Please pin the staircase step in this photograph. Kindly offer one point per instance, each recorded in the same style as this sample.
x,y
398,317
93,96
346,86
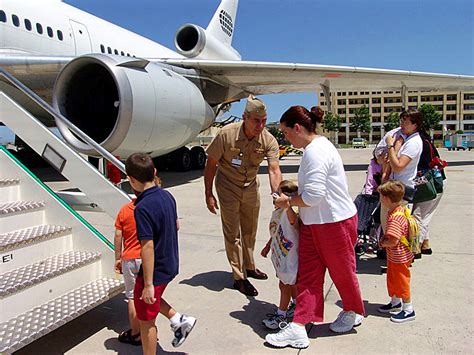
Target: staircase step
x,y
22,237
9,182
22,330
19,279
20,206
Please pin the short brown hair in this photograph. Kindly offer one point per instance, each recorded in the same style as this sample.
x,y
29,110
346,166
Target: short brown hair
x,y
393,189
288,186
415,117
140,167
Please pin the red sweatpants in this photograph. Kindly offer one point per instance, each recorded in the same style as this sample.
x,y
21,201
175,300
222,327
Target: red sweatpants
x,y
328,246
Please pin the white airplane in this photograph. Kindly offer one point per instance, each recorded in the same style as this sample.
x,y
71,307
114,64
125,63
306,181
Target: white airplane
x,y
131,94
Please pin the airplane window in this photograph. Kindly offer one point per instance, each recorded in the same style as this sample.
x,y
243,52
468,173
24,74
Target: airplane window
x,y
27,24
102,48
60,35
109,50
128,54
39,28
16,20
50,31
116,51
3,16
122,53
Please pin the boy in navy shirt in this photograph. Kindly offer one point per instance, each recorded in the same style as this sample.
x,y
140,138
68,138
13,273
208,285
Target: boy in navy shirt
x,y
157,230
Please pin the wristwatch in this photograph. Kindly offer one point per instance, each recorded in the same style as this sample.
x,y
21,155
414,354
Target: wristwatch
x,y
390,146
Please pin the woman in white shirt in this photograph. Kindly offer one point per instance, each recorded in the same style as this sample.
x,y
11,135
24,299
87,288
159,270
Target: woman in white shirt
x,y
404,160
328,232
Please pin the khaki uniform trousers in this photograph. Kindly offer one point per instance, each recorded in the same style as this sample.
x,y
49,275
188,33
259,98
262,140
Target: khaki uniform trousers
x,y
239,208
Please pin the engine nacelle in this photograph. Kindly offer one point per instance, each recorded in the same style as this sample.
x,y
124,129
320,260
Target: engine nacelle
x,y
127,108
193,41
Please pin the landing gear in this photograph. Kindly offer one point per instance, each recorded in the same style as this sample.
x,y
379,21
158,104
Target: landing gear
x,y
198,158
182,159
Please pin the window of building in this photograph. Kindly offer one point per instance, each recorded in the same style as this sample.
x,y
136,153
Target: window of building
x,y
412,99
50,31
3,16
60,35
376,119
102,48
343,93
450,117
341,102
39,28
451,127
376,100
375,109
16,20
351,110
28,24
323,103
392,100
341,111
469,116
450,107
321,94
469,96
451,97
376,128
469,106
468,126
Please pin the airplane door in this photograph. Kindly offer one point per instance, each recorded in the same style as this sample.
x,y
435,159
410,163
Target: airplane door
x,y
81,38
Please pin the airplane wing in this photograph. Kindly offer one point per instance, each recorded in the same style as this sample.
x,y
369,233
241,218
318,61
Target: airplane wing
x,y
270,77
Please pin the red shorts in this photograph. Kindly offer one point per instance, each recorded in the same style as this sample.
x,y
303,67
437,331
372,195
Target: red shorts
x,y
145,311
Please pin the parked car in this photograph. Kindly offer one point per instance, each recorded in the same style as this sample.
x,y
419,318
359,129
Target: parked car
x,y
359,143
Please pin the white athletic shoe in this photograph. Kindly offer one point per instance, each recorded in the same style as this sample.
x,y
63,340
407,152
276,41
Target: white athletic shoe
x,y
292,335
345,321
182,330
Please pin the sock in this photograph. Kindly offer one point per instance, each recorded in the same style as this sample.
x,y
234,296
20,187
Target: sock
x,y
395,300
407,307
175,320
281,313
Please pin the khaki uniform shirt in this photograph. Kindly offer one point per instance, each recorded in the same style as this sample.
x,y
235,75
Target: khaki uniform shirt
x,y
239,158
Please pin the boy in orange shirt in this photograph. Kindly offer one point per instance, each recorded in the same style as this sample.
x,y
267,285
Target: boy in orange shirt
x,y
399,256
127,262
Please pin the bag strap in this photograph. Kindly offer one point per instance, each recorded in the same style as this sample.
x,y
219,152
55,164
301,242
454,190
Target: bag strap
x,y
431,149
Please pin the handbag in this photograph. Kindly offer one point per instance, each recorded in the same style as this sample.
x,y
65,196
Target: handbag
x,y
425,187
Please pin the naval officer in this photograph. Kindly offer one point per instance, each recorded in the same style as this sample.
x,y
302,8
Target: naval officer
x,y
234,157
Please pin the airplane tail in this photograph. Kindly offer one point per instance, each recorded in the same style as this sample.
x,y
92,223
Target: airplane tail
x,y
222,23
214,42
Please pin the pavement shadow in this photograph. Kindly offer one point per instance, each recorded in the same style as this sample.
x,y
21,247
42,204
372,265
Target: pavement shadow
x,y
372,266
127,349
212,280
322,331
371,309
253,313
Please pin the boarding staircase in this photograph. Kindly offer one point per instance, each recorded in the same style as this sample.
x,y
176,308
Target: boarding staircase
x,y
54,265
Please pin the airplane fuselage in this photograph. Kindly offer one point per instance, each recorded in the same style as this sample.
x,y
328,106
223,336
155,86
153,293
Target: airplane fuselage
x,y
58,29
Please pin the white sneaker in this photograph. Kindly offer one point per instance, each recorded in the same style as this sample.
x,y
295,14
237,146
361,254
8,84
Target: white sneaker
x,y
345,321
292,335
182,330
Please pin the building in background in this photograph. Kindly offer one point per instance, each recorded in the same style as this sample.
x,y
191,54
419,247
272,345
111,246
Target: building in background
x,y
457,108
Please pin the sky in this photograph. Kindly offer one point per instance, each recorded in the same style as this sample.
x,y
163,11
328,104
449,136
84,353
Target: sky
x,y
423,35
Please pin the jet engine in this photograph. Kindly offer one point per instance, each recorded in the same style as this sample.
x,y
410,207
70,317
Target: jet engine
x,y
129,105
193,41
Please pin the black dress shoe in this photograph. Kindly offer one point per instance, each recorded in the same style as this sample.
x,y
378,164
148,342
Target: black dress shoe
x,y
245,287
427,251
256,274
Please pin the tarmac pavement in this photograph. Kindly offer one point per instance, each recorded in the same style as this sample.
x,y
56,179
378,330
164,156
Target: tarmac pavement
x,y
230,323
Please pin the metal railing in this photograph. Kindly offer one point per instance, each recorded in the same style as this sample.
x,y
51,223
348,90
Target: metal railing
x,y
45,106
